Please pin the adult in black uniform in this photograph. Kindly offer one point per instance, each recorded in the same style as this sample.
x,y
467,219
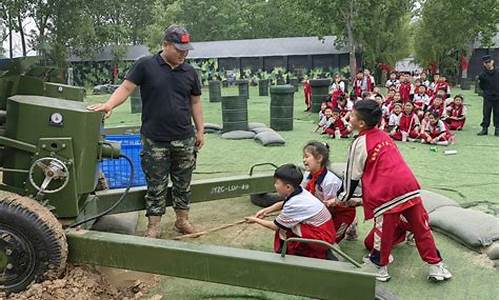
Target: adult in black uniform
x,y
488,82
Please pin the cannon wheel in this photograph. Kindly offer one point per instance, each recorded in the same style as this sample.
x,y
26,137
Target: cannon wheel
x,y
33,246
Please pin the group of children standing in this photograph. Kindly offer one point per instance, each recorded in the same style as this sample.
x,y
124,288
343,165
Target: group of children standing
x,y
421,111
318,205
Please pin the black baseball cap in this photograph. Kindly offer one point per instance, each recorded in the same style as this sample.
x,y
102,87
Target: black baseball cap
x,y
486,58
179,36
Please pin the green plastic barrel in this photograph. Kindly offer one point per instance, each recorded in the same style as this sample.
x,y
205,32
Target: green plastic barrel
x,y
234,113
136,102
214,91
282,107
263,87
295,83
243,88
319,93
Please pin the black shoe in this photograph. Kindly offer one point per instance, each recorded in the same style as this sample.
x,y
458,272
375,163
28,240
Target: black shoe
x,y
484,131
496,131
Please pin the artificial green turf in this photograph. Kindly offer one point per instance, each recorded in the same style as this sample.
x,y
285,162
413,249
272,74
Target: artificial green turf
x,y
470,177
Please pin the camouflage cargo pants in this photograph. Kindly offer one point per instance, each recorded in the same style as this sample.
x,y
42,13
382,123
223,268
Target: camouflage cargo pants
x,y
159,160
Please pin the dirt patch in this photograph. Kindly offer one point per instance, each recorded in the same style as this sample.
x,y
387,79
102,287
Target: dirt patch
x,y
86,283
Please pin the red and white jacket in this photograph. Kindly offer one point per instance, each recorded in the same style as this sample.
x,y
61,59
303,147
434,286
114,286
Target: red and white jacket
x,y
388,182
405,89
408,122
421,101
435,130
357,87
439,109
441,85
458,111
368,83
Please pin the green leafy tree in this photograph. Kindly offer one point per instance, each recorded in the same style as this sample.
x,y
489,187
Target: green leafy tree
x,y
378,29
448,27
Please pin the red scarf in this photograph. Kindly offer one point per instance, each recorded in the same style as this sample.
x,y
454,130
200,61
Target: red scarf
x,y
313,179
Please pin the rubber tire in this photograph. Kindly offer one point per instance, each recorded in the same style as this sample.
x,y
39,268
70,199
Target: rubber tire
x,y
45,237
383,294
265,199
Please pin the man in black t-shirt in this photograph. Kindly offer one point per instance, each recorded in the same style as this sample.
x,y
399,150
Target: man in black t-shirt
x,y
170,93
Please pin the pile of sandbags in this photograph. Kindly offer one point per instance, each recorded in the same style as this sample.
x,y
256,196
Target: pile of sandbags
x,y
258,131
266,136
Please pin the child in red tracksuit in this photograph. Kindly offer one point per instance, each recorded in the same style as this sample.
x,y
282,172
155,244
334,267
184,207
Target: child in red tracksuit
x,y
301,215
409,125
405,88
337,89
368,81
437,106
455,113
338,123
325,185
357,86
326,121
344,104
390,190
307,94
421,100
436,132
442,84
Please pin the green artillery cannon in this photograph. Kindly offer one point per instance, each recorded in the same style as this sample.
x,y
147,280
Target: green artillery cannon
x,y
21,77
49,155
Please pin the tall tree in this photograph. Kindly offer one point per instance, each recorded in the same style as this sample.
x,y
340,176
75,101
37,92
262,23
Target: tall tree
x,y
375,28
232,19
451,26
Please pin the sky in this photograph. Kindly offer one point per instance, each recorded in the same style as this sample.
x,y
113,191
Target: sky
x,y
28,25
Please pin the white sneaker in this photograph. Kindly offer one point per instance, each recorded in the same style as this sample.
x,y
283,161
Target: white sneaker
x,y
438,272
366,259
383,274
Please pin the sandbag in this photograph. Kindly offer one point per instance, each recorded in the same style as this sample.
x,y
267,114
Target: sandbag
x,y
253,125
433,201
472,228
238,135
125,223
270,138
258,130
211,128
492,251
